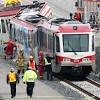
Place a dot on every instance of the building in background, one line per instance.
(89, 9)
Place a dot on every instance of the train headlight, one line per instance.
(85, 59)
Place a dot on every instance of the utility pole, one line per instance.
(98, 12)
(85, 14)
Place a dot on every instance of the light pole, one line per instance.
(98, 11)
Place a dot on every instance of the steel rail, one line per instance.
(93, 82)
(77, 87)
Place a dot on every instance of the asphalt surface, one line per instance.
(41, 91)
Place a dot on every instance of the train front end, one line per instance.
(76, 50)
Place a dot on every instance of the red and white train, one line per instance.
(70, 43)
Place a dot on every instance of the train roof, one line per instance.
(65, 28)
(23, 11)
(22, 23)
(32, 24)
(40, 8)
(9, 12)
(70, 26)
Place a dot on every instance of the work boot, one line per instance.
(30, 96)
(12, 96)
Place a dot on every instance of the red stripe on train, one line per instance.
(76, 61)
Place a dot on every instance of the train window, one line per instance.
(45, 40)
(75, 43)
(0, 28)
(45, 36)
(41, 38)
(92, 43)
(3, 26)
(40, 34)
(33, 36)
(13, 32)
(50, 42)
(35, 39)
(57, 44)
(10, 28)
(7, 23)
(24, 37)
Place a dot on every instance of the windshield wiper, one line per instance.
(72, 48)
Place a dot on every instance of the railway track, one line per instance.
(93, 82)
(84, 87)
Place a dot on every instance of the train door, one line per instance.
(56, 50)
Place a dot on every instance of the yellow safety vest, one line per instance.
(12, 76)
(46, 62)
(29, 76)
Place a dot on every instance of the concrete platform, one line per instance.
(41, 91)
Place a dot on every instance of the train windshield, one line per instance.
(75, 43)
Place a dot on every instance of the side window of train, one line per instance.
(92, 43)
(3, 26)
(10, 34)
(0, 27)
(50, 42)
(57, 44)
(7, 24)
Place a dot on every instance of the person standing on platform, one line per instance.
(29, 78)
(32, 63)
(41, 64)
(12, 79)
(48, 67)
(20, 62)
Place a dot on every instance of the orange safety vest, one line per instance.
(32, 64)
(12, 76)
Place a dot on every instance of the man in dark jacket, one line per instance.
(12, 79)
(48, 68)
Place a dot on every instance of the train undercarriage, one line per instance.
(80, 71)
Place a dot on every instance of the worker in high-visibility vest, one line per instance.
(32, 63)
(48, 68)
(12, 79)
(29, 78)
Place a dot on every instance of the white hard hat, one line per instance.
(31, 56)
(21, 49)
(30, 68)
(12, 69)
